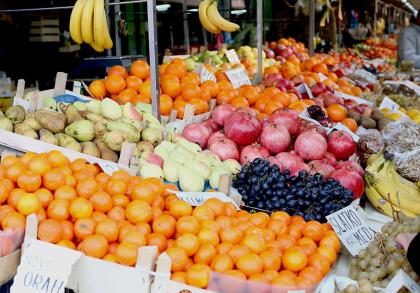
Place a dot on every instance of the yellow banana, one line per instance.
(75, 21)
(221, 23)
(87, 22)
(202, 14)
(96, 47)
(373, 158)
(383, 205)
(98, 22)
(108, 41)
(410, 189)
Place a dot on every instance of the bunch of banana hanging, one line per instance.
(388, 191)
(211, 19)
(88, 24)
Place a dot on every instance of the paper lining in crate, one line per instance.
(46, 267)
(45, 30)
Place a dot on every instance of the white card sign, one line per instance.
(237, 77)
(199, 198)
(400, 280)
(342, 127)
(352, 230)
(389, 104)
(44, 267)
(232, 56)
(322, 77)
(304, 89)
(205, 74)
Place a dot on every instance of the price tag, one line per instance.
(199, 198)
(389, 104)
(322, 77)
(108, 168)
(352, 230)
(44, 267)
(304, 89)
(232, 56)
(400, 280)
(340, 126)
(205, 74)
(350, 97)
(237, 77)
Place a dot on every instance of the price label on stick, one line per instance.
(205, 74)
(237, 77)
(401, 280)
(352, 230)
(232, 56)
(389, 104)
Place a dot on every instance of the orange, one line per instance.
(320, 68)
(28, 203)
(224, 247)
(58, 209)
(187, 224)
(178, 258)
(107, 228)
(319, 262)
(250, 264)
(101, 201)
(166, 104)
(120, 200)
(80, 208)
(313, 230)
(180, 209)
(278, 227)
(205, 254)
(306, 241)
(53, 179)
(13, 172)
(212, 86)
(116, 214)
(295, 230)
(311, 274)
(237, 251)
(179, 106)
(4, 210)
(84, 227)
(307, 249)
(250, 94)
(95, 246)
(327, 253)
(101, 178)
(133, 82)
(41, 214)
(272, 106)
(13, 197)
(171, 88)
(110, 257)
(294, 259)
(29, 181)
(65, 192)
(138, 211)
(284, 278)
(57, 159)
(350, 123)
(50, 230)
(239, 102)
(126, 253)
(221, 263)
(146, 89)
(97, 89)
(198, 275)
(224, 97)
(231, 235)
(118, 70)
(216, 205)
(143, 191)
(255, 243)
(260, 219)
(13, 220)
(114, 84)
(191, 77)
(331, 241)
(157, 239)
(176, 69)
(39, 165)
(203, 213)
(189, 242)
(67, 227)
(86, 187)
(271, 259)
(126, 96)
(357, 91)
(190, 91)
(134, 236)
(180, 277)
(336, 112)
(208, 235)
(164, 224)
(140, 69)
(66, 243)
(223, 222)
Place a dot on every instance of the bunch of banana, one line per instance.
(211, 19)
(388, 191)
(88, 24)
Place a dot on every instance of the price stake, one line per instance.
(199, 198)
(304, 89)
(389, 104)
(237, 77)
(322, 77)
(400, 280)
(205, 74)
(352, 230)
(44, 267)
(232, 56)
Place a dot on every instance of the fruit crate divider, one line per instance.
(225, 183)
(172, 115)
(127, 150)
(60, 84)
(7, 153)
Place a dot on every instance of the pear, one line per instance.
(89, 148)
(49, 104)
(25, 130)
(94, 107)
(68, 142)
(110, 109)
(144, 108)
(170, 170)
(161, 151)
(72, 114)
(1, 114)
(151, 120)
(202, 157)
(142, 146)
(168, 145)
(199, 167)
(150, 170)
(177, 156)
(106, 152)
(82, 130)
(80, 106)
(115, 139)
(215, 175)
(233, 166)
(214, 159)
(185, 152)
(153, 135)
(92, 117)
(100, 128)
(192, 147)
(6, 124)
(16, 114)
(130, 112)
(52, 121)
(133, 135)
(140, 125)
(31, 122)
(189, 180)
(47, 136)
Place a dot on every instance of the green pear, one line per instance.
(133, 134)
(189, 180)
(233, 166)
(49, 104)
(202, 157)
(170, 170)
(82, 130)
(94, 106)
(161, 151)
(214, 159)
(150, 170)
(199, 167)
(215, 175)
(177, 156)
(68, 142)
(190, 64)
(144, 108)
(192, 147)
(80, 106)
(185, 152)
(168, 145)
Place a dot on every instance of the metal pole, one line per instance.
(117, 17)
(109, 51)
(153, 58)
(312, 27)
(375, 16)
(186, 26)
(259, 38)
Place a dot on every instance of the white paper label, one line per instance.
(205, 74)
(322, 77)
(24, 103)
(232, 56)
(350, 97)
(304, 89)
(342, 127)
(400, 280)
(366, 75)
(199, 198)
(237, 77)
(352, 230)
(389, 104)
(44, 267)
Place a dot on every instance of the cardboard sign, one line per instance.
(205, 74)
(232, 56)
(199, 198)
(400, 280)
(44, 267)
(340, 126)
(352, 230)
(304, 89)
(350, 97)
(389, 104)
(237, 77)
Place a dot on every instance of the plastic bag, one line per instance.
(10, 240)
(370, 142)
(408, 164)
(401, 136)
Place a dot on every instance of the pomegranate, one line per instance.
(242, 128)
(275, 138)
(341, 145)
(221, 112)
(350, 180)
(287, 159)
(306, 125)
(318, 89)
(212, 125)
(321, 167)
(215, 136)
(311, 145)
(350, 166)
(286, 117)
(330, 158)
(295, 168)
(275, 161)
(253, 151)
(197, 133)
(225, 149)
(271, 79)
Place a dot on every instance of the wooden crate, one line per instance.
(45, 30)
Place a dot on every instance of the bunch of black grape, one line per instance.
(265, 187)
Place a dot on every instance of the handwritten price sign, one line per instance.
(237, 77)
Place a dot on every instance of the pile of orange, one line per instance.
(109, 217)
